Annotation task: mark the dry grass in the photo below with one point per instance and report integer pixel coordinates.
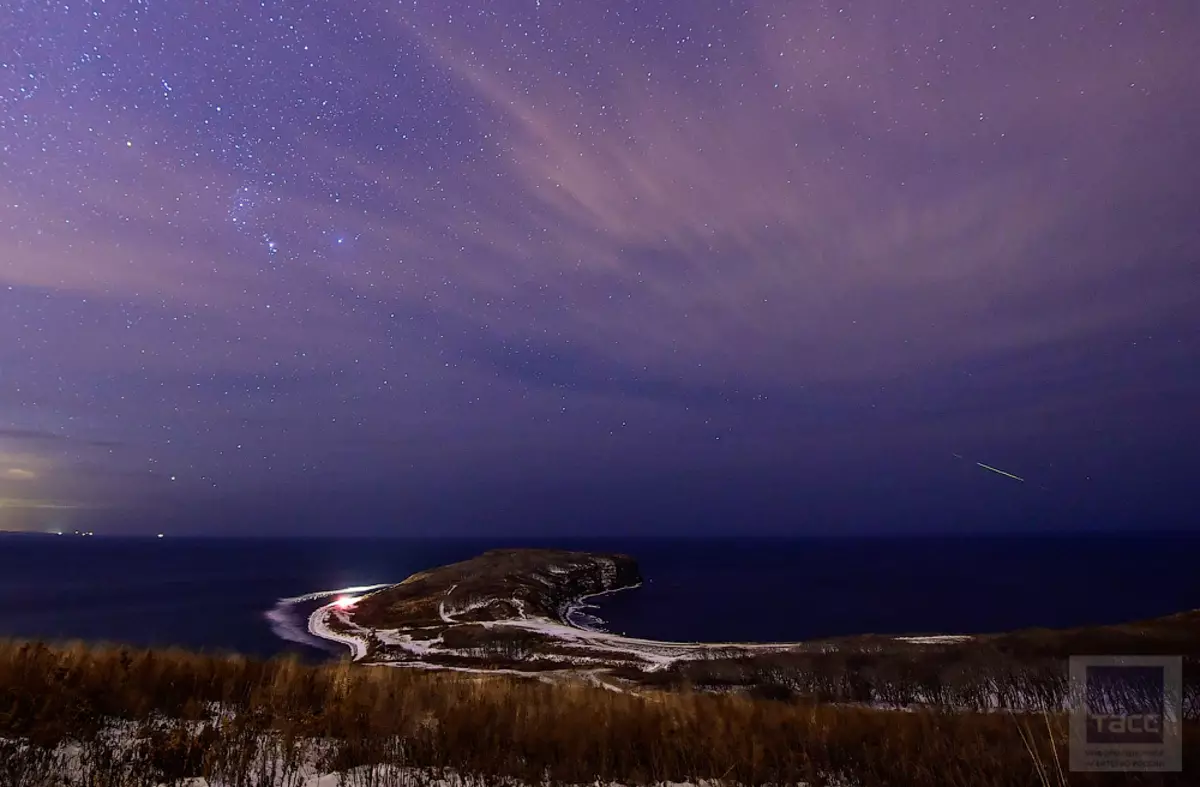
(975, 676)
(276, 715)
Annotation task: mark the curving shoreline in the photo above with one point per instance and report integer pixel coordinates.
(576, 608)
(318, 626)
(534, 598)
(286, 626)
(521, 612)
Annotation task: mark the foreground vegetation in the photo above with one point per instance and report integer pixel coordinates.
(113, 716)
(1019, 670)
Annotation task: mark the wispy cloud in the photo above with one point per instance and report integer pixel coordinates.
(28, 434)
(50, 505)
(431, 233)
(44, 436)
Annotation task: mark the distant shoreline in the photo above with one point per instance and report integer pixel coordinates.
(823, 591)
(522, 613)
(576, 608)
(555, 636)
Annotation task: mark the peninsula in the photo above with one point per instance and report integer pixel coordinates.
(519, 611)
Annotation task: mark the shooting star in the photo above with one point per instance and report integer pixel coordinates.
(1001, 472)
(995, 470)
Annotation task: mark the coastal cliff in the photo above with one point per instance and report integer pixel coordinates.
(512, 611)
(499, 585)
(505, 610)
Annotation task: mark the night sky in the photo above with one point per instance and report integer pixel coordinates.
(577, 268)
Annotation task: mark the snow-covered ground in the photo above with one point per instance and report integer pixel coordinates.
(74, 766)
(117, 757)
(319, 626)
(935, 639)
(400, 778)
(593, 646)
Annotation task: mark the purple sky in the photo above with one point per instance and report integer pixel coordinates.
(599, 267)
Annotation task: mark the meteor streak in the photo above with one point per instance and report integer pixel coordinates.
(995, 470)
(1001, 472)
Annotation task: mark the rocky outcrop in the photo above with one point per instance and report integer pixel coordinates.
(502, 584)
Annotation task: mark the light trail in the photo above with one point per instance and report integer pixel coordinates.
(996, 470)
(1001, 472)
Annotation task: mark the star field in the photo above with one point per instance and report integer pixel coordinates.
(410, 267)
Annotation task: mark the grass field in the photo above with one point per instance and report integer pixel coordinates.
(109, 716)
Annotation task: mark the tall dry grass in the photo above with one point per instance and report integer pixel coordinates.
(253, 723)
(960, 678)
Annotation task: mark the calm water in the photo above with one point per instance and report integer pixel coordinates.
(229, 594)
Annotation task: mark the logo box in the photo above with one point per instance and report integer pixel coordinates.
(1126, 713)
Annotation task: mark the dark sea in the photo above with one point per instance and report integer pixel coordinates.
(250, 595)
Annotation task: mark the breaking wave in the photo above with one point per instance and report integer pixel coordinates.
(289, 617)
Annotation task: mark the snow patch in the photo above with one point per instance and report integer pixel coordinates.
(935, 639)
